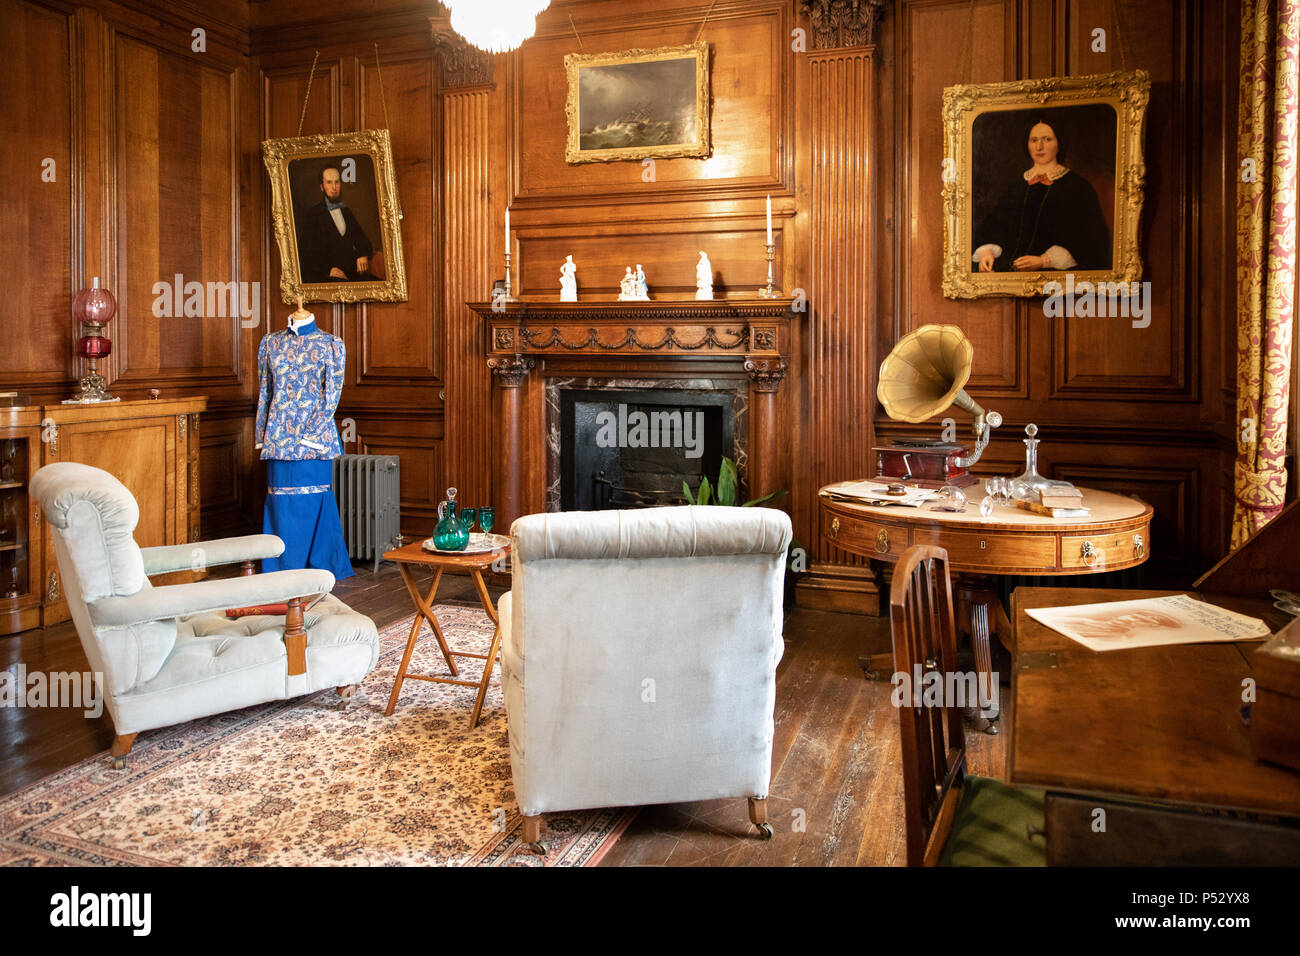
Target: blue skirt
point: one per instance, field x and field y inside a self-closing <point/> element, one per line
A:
<point x="302" y="512"/>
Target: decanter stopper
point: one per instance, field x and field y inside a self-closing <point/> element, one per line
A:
<point x="451" y="494"/>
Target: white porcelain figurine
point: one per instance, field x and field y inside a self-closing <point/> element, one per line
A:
<point x="642" y="293"/>
<point x="568" y="281"/>
<point x="627" y="286"/>
<point x="704" y="278"/>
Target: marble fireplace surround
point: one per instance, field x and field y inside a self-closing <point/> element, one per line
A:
<point x="538" y="347"/>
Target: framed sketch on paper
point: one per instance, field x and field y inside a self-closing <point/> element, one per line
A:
<point x="336" y="217"/>
<point x="638" y="104"/>
<point x="1043" y="178"/>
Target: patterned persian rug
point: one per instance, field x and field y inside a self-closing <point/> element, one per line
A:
<point x="302" y="782"/>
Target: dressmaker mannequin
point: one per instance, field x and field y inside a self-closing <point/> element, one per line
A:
<point x="300" y="372"/>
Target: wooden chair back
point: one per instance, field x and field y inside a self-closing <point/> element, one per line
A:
<point x="933" y="744"/>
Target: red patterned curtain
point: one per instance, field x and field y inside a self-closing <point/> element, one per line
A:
<point x="1266" y="256"/>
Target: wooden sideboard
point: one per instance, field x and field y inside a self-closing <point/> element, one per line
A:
<point x="151" y="446"/>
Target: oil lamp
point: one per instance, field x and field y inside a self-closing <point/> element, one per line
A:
<point x="93" y="308"/>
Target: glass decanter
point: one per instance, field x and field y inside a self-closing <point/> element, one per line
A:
<point x="451" y="533"/>
<point x="1029" y="485"/>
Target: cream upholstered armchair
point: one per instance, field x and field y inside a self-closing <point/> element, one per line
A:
<point x="638" y="657"/>
<point x="169" y="654"/>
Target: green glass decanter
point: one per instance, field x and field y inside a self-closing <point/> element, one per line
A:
<point x="451" y="533"/>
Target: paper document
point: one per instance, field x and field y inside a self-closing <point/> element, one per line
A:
<point x="1176" y="619"/>
<point x="873" y="493"/>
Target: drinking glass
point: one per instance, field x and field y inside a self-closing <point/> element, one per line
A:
<point x="468" y="516"/>
<point x="486" y="515"/>
<point x="986" y="507"/>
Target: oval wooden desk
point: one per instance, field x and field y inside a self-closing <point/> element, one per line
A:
<point x="1012" y="541"/>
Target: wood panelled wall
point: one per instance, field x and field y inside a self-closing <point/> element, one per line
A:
<point x="1137" y="410"/>
<point x="147" y="137"/>
<point x="164" y="175"/>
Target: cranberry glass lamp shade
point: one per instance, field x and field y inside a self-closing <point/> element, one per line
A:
<point x="94" y="306"/>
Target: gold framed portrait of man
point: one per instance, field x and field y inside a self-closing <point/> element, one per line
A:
<point x="336" y="216"/>
<point x="1043" y="179"/>
<point x="638" y="104"/>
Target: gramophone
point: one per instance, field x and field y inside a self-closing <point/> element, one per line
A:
<point x="923" y="376"/>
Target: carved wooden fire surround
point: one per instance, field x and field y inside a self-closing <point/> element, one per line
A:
<point x="530" y="341"/>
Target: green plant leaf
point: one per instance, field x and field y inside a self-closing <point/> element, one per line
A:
<point x="686" y="492"/>
<point x="727" y="480"/>
<point x="704" y="492"/>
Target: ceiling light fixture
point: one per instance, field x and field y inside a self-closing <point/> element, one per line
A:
<point x="495" y="26"/>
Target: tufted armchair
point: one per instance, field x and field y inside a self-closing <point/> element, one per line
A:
<point x="638" y="657"/>
<point x="169" y="654"/>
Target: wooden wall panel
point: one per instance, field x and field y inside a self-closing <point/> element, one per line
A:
<point x="177" y="212"/>
<point x="36" y="124"/>
<point x="400" y="341"/>
<point x="612" y="215"/>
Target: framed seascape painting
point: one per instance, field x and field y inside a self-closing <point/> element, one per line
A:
<point x="334" y="207"/>
<point x="638" y="104"/>
<point x="1043" y="178"/>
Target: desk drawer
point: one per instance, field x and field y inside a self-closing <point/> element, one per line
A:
<point x="992" y="550"/>
<point x="865" y="537"/>
<point x="1101" y="551"/>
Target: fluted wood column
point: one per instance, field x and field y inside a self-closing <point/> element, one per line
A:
<point x="509" y="372"/>
<point x="764" y="381"/>
<point x="840" y="287"/>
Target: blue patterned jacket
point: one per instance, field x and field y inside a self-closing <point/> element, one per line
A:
<point x="300" y="380"/>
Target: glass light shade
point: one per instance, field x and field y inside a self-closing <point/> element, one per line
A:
<point x="496" y="26"/>
<point x="94" y="305"/>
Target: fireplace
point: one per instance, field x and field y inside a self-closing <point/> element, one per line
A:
<point x="632" y="444"/>
<point x="731" y="350"/>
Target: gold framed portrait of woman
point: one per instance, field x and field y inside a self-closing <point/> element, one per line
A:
<point x="336" y="216"/>
<point x="1043" y="179"/>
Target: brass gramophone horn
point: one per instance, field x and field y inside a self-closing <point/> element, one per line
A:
<point x="925" y="374"/>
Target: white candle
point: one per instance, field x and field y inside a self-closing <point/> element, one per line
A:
<point x="769" y="220"/>
<point x="508" y="230"/>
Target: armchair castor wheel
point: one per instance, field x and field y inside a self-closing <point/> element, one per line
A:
<point x="538" y="848"/>
<point x="765" y="831"/>
<point x="119" y="763"/>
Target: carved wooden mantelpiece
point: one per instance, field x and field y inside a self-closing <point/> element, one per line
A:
<point x="529" y="340"/>
<point x="747" y="329"/>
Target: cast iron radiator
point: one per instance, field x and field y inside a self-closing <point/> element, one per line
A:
<point x="367" y="488"/>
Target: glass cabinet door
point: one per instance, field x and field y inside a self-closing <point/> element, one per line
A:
<point x="15" y="521"/>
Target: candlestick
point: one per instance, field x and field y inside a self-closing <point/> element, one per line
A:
<point x="769" y="222"/>
<point x="508" y="231"/>
<point x="508" y="295"/>
<point x="768" y="292"/>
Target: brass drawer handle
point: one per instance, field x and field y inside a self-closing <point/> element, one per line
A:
<point x="1139" y="546"/>
<point x="1090" y="555"/>
<point x="835" y="526"/>
<point x="882" y="541"/>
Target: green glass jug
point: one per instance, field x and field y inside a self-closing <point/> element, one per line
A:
<point x="451" y="533"/>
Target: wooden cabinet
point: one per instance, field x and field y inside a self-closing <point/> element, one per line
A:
<point x="20" y="548"/>
<point x="151" y="446"/>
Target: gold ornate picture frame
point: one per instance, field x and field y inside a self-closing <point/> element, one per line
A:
<point x="638" y="104"/>
<point x="1096" y="181"/>
<point x="334" y="207"/>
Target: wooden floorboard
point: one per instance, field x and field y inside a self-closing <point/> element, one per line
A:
<point x="836" y="770"/>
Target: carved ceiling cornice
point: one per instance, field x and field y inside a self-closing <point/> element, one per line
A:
<point x="843" y="23"/>
<point x="459" y="63"/>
